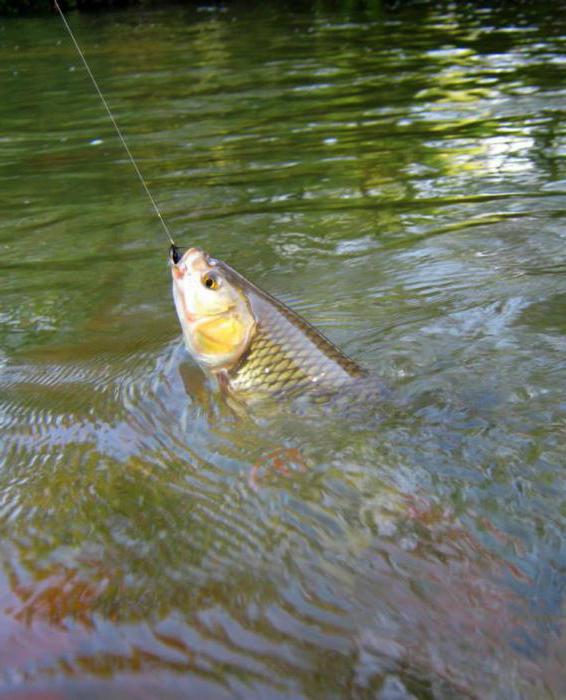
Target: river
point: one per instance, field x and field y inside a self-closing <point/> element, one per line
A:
<point x="396" y="174"/>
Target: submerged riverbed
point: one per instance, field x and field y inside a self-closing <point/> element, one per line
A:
<point x="397" y="177"/>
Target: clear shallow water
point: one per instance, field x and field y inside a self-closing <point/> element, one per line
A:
<point x="398" y="178"/>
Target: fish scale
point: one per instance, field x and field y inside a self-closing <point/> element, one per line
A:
<point x="286" y="354"/>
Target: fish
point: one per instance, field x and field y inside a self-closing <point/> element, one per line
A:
<point x="253" y="345"/>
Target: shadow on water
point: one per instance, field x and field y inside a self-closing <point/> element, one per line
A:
<point x="397" y="177"/>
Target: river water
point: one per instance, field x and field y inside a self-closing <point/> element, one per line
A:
<point x="395" y="174"/>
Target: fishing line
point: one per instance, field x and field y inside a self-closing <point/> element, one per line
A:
<point x="118" y="131"/>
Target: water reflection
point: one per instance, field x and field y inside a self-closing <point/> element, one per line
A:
<point x="396" y="177"/>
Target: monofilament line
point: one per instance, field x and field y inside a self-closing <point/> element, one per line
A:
<point x="118" y="130"/>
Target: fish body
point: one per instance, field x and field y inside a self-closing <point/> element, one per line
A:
<point x="252" y="343"/>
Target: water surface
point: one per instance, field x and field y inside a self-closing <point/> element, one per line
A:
<point x="398" y="177"/>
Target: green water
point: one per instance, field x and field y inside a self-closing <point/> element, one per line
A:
<point x="398" y="177"/>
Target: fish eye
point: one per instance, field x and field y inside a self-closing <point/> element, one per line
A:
<point x="210" y="281"/>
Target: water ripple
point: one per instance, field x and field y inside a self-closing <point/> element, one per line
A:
<point x="397" y="178"/>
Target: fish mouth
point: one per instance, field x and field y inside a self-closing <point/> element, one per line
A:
<point x="177" y="253"/>
<point x="186" y="261"/>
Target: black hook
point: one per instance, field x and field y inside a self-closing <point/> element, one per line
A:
<point x="175" y="253"/>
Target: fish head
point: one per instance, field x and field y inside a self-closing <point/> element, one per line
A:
<point x="213" y="309"/>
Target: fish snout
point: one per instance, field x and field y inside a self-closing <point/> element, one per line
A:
<point x="177" y="253"/>
<point x="186" y="261"/>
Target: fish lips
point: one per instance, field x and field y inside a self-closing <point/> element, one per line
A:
<point x="176" y="256"/>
